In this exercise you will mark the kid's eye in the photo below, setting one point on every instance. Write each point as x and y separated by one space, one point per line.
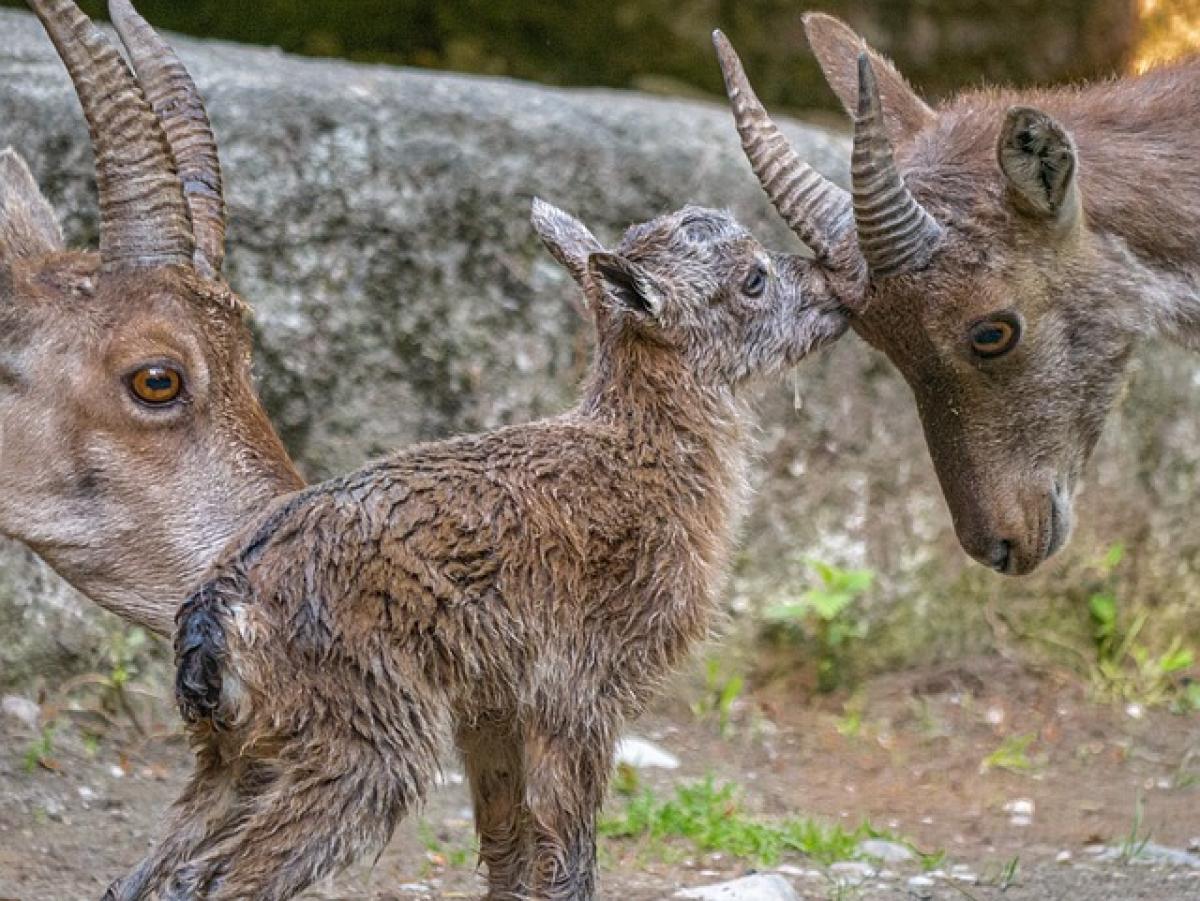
996 335
755 282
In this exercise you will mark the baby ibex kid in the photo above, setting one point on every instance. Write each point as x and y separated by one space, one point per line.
528 587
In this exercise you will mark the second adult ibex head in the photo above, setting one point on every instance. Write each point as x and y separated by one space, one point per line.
1006 251
131 442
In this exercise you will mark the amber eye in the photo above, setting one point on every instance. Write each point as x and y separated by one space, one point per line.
996 335
156 385
755 282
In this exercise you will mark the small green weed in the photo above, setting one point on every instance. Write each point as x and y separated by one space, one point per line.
719 695
1012 755
1125 668
825 614
1002 876
1135 842
710 816
41 751
441 852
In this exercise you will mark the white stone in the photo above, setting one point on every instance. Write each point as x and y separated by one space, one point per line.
1020 807
21 709
921 887
641 754
761 887
888 852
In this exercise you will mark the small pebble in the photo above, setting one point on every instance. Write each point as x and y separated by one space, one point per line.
642 754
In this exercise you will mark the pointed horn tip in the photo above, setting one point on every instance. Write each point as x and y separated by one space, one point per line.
868 87
734 73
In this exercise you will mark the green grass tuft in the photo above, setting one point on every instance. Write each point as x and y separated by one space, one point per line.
711 817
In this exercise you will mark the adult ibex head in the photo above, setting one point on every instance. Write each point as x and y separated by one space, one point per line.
132 444
1005 251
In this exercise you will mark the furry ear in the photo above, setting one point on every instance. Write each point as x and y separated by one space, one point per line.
626 286
837 47
1038 159
28 226
567 239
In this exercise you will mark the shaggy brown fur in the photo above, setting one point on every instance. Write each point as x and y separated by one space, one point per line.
129 501
529 585
1073 212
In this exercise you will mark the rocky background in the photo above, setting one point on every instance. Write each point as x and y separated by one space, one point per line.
663 45
379 228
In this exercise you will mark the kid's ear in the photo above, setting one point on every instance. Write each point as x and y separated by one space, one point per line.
624 285
1037 157
567 239
28 226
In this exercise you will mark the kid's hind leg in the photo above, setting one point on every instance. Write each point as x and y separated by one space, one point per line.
334 800
566 776
492 755
206 802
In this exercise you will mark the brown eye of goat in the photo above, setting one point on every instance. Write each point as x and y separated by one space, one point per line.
156 385
755 282
995 336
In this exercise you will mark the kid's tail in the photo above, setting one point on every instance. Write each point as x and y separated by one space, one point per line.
200 654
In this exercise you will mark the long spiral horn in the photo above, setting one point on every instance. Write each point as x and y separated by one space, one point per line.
817 210
895 233
173 96
143 217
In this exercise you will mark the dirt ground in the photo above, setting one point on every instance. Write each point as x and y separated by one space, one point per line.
909 755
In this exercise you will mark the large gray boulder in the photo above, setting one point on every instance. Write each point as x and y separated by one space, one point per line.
379 228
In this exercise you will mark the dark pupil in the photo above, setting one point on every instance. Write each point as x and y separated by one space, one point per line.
159 382
990 336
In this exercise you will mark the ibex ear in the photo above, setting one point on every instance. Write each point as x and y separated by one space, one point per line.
28 227
624 285
837 47
567 239
1037 157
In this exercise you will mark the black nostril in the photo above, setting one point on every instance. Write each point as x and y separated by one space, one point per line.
1001 556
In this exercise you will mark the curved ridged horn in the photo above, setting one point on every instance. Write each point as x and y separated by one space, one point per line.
143 218
817 210
173 97
895 233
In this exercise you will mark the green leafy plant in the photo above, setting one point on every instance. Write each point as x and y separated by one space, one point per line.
111 693
1012 755
719 695
711 817
827 615
1124 667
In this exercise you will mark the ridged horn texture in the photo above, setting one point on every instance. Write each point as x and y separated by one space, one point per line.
895 233
818 211
143 217
172 95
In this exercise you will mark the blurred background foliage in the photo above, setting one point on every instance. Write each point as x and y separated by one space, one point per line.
663 45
